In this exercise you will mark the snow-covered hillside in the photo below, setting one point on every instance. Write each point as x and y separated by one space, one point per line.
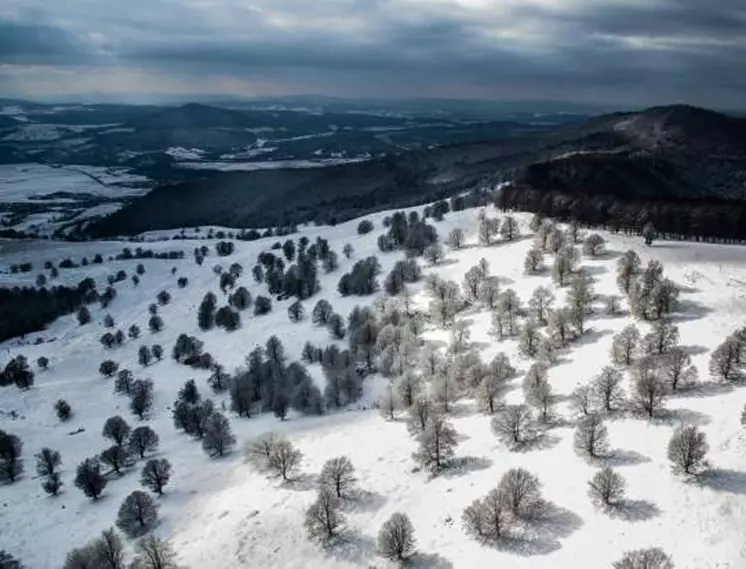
223 513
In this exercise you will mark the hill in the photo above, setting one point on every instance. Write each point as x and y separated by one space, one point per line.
662 155
224 512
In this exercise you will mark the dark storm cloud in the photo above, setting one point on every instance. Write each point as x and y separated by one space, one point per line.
24 43
652 51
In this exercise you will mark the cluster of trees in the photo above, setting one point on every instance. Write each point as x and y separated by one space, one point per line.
27 309
108 551
407 232
490 228
300 279
269 383
651 296
199 418
728 359
18 372
362 279
403 273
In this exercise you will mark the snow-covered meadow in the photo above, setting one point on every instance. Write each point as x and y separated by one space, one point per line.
224 513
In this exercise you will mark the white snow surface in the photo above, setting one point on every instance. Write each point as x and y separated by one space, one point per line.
18 182
181 153
269 164
222 513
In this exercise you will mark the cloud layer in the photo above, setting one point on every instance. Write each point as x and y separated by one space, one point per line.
623 52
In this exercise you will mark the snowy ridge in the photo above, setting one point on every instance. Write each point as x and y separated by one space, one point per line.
222 513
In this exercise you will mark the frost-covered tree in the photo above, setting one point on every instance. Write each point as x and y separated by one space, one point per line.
579 300
419 414
472 281
564 266
522 492
559 326
338 476
687 450
324 517
533 264
593 245
591 436
583 399
321 313
489 292
155 475
677 368
608 393
445 391
538 391
649 233
387 403
434 254
408 387
336 326
487 230
508 309
529 339
513 424
540 304
455 239
625 344
89 478
437 443
661 338
650 558
627 268
726 360
396 539
607 487
509 229
137 514
142 440
650 390
284 459
488 393
296 311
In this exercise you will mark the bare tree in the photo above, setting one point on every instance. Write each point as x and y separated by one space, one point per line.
513 424
687 450
661 339
116 429
556 240
89 478
445 391
472 280
529 339
579 299
649 389
533 264
154 553
324 517
624 345
285 459
155 475
611 305
419 414
47 461
559 326
489 518
591 436
455 239
434 254
408 387
509 230
583 400
109 550
509 305
540 304
489 292
628 267
137 513
387 403
607 487
437 443
650 558
678 369
725 361
564 265
522 492
607 389
338 475
539 395
260 450
396 539
142 439
118 458
488 393
218 438
487 230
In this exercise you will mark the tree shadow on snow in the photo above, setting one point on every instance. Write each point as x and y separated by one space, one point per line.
694 350
620 457
302 483
634 511
364 501
688 310
463 465
352 547
540 441
540 536
703 389
592 336
724 480
676 416
594 270
428 561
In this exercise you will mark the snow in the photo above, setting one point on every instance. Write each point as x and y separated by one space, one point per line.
268 165
19 182
35 132
180 153
222 513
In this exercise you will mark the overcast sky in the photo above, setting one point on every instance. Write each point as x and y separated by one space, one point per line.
634 52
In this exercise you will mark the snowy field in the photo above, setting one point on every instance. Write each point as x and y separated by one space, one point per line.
20 182
223 513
